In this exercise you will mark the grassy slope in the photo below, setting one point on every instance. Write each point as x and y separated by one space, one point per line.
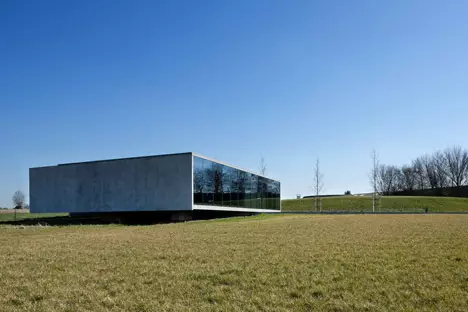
388 203
268 263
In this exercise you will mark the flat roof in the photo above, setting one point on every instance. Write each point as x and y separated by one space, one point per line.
124 158
153 156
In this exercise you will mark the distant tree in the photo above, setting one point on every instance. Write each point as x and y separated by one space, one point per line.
262 168
457 165
318 184
447 168
373 177
440 163
399 184
408 178
387 179
434 169
18 199
419 172
348 192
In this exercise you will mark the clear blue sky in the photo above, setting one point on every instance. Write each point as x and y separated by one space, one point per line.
233 80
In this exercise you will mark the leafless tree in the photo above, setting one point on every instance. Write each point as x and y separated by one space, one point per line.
440 163
373 177
430 170
408 177
457 165
435 171
18 199
318 184
418 168
387 178
262 168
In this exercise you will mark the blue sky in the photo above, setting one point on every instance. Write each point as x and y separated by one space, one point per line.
233 80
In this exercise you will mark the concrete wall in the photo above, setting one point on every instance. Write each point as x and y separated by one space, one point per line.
133 184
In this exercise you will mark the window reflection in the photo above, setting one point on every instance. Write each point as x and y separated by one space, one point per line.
226 171
220 185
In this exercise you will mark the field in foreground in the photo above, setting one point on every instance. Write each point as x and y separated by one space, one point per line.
267 263
385 203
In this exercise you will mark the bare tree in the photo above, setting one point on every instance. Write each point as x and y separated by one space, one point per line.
430 170
373 177
262 168
418 168
434 171
387 178
18 199
318 184
457 165
408 178
399 184
440 164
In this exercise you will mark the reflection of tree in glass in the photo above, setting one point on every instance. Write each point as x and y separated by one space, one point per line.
238 181
216 184
214 181
217 174
199 181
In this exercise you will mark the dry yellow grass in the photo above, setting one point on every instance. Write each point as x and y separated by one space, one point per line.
274 263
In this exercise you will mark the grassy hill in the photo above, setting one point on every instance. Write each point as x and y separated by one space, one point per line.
385 203
333 204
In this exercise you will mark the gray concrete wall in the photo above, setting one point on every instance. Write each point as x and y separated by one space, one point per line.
133 184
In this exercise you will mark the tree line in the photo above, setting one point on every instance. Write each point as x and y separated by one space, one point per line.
441 169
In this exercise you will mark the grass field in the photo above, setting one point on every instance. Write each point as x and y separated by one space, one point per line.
10 215
386 203
261 263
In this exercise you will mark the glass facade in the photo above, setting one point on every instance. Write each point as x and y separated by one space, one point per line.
219 185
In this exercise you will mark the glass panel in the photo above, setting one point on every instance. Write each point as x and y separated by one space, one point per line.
263 185
226 186
234 188
243 189
217 176
198 182
247 190
241 185
253 191
216 184
208 196
277 195
270 199
258 200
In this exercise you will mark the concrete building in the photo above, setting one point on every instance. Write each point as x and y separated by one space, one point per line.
176 182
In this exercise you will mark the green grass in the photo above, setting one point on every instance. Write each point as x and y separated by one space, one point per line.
387 203
266 203
10 215
264 263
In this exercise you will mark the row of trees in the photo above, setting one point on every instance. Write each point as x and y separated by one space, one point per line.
447 168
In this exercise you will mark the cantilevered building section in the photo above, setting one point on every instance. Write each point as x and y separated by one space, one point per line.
175 182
